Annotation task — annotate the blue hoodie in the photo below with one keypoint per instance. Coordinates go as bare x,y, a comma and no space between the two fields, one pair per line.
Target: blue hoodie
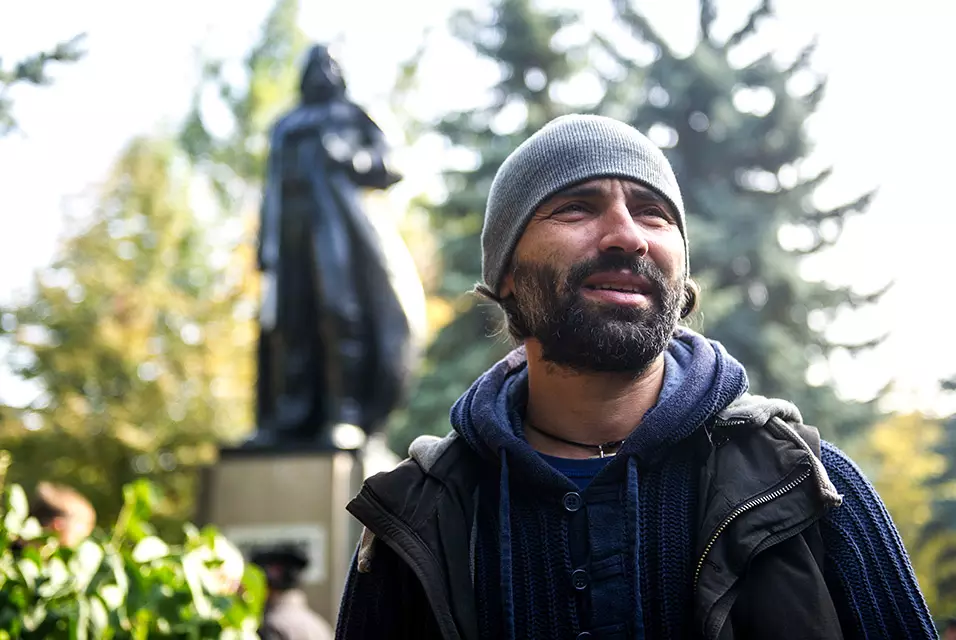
531,495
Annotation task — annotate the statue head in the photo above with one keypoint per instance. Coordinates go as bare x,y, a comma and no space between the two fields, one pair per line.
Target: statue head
322,77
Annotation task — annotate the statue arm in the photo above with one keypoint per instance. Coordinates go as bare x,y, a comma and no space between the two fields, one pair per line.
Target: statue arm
376,145
267,249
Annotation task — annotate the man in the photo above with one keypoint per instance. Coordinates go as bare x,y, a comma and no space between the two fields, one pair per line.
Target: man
287,615
63,512
611,478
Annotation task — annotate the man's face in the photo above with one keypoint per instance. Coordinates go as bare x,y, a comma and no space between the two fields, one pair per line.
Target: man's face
599,276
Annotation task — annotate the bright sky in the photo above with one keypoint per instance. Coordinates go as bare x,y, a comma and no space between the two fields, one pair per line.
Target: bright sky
885,122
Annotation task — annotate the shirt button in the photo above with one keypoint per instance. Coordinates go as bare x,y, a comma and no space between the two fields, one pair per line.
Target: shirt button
584,635
572,501
579,579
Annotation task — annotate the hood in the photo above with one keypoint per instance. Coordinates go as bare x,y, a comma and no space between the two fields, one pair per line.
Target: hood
783,420
701,380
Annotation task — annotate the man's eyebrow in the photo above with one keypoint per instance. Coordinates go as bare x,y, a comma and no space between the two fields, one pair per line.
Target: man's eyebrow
581,191
646,195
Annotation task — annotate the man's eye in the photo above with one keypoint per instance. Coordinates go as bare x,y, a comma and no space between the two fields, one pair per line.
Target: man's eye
654,212
570,210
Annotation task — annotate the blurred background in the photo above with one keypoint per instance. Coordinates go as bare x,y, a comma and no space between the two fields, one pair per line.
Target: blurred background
811,140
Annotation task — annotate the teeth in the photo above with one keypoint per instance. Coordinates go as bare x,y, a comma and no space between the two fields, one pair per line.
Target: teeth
609,287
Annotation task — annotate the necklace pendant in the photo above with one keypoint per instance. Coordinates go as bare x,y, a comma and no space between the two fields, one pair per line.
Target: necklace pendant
601,450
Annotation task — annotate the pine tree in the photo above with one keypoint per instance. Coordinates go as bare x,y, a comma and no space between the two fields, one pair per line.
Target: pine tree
132,335
741,177
739,170
517,37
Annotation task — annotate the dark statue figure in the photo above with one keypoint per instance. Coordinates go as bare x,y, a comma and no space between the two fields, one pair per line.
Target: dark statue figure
334,346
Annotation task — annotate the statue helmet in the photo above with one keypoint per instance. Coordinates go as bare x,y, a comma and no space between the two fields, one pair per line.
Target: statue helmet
321,77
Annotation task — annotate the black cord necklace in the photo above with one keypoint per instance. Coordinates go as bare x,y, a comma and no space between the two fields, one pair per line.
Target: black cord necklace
614,444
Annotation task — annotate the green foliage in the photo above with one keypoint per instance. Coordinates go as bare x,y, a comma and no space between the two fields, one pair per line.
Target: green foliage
140,336
138,341
125,584
739,167
32,70
901,456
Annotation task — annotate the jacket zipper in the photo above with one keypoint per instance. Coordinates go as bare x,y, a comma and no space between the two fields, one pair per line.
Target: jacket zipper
731,422
746,506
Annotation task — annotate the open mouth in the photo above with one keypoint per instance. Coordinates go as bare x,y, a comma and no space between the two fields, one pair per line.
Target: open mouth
619,281
620,288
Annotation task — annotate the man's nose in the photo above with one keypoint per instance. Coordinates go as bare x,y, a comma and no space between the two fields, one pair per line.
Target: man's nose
620,231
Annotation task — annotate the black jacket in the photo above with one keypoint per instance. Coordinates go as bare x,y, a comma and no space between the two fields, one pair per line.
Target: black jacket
760,554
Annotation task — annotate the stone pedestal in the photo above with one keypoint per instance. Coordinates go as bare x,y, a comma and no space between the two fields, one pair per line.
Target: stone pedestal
263,498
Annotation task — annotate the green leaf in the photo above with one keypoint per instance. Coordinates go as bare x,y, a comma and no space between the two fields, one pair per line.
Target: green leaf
99,617
35,617
57,578
150,549
17,510
80,627
29,572
85,563
192,570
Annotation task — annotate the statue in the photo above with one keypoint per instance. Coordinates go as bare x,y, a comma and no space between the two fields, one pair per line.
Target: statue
334,346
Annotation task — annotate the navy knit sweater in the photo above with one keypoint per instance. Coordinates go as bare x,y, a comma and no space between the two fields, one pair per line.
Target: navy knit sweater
621,565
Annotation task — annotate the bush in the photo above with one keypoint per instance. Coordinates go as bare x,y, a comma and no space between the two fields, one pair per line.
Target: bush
127,583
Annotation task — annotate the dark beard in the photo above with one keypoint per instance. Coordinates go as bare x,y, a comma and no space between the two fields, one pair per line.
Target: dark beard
590,337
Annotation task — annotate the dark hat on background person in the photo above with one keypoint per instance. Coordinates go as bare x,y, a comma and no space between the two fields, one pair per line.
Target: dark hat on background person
568,150
281,563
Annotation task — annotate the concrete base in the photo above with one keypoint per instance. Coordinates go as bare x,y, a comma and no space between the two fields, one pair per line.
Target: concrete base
261,498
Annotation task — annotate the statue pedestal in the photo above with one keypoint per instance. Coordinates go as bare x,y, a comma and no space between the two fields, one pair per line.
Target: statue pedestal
257,497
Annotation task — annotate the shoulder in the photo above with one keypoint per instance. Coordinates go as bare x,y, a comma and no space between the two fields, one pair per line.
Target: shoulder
433,456
435,467
861,503
868,568
848,478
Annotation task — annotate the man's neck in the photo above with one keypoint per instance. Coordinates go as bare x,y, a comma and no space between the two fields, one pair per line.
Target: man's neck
590,408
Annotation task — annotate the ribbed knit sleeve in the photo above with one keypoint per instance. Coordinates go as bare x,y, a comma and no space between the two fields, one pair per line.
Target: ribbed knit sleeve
386,604
867,570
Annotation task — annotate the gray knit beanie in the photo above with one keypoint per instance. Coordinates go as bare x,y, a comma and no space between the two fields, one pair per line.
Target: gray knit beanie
568,150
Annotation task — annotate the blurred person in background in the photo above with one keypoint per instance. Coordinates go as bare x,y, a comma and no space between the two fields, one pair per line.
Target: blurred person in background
612,477
63,512
287,614
949,629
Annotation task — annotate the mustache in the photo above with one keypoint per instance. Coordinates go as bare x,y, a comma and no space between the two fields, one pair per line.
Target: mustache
638,266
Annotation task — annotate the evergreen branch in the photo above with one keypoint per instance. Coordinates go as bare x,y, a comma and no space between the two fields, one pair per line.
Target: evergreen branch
819,243
809,185
708,13
803,58
757,72
32,70
856,300
640,26
839,213
857,347
762,11
812,99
